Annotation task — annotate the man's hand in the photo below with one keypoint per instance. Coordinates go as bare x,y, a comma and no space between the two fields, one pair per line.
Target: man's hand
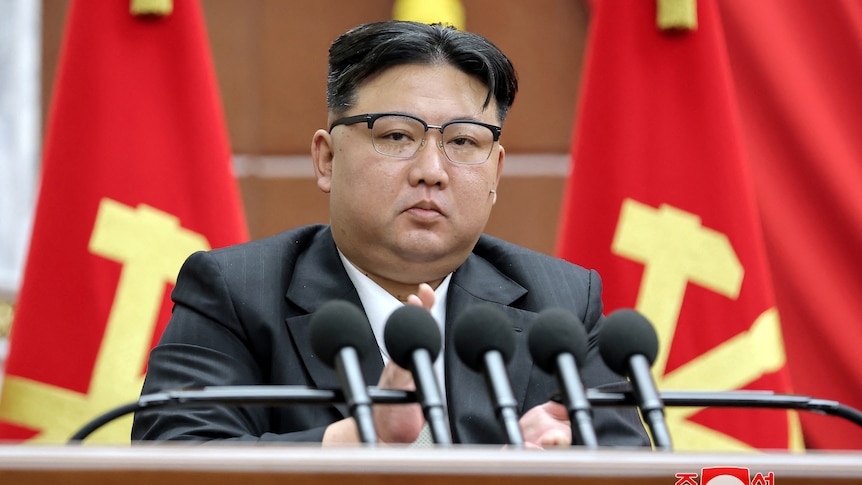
424,297
401,423
546,425
395,423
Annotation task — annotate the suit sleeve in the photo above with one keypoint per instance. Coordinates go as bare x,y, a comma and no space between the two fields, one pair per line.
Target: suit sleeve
614,426
206,344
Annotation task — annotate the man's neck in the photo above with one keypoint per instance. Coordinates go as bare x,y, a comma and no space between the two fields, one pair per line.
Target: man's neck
397,289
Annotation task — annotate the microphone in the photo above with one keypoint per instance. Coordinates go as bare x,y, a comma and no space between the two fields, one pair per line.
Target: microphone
413,340
484,342
628,344
341,336
558,344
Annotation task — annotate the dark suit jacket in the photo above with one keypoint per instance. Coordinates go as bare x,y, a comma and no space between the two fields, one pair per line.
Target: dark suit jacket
241,317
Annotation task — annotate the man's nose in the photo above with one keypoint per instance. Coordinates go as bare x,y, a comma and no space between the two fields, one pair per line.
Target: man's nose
429,166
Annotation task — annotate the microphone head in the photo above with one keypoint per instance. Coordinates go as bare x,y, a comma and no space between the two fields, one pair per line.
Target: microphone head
556,331
626,333
408,329
339,324
480,329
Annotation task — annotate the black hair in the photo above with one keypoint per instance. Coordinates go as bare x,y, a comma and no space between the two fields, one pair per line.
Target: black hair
371,48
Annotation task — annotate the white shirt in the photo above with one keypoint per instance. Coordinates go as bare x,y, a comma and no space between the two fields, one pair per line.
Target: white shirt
379,305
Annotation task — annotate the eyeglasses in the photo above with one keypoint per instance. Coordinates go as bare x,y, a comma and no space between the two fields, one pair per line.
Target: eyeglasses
401,135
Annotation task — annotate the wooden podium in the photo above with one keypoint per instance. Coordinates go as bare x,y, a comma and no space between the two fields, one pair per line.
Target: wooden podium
165,464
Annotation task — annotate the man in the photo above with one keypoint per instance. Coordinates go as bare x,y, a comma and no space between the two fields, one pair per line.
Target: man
411,163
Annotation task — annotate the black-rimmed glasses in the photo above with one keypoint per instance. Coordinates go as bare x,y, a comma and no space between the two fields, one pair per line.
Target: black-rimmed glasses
401,135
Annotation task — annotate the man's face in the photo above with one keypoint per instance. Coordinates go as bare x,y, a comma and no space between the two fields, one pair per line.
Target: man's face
408,220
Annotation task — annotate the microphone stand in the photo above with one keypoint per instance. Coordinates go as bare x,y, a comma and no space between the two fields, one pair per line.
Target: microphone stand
282,395
239,396
733,399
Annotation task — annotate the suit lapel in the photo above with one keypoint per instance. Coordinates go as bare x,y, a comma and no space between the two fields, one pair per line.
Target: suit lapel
319,277
478,282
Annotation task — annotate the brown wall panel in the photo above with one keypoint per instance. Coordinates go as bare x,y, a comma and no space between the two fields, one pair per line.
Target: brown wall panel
53,22
270,58
273,205
527,211
545,41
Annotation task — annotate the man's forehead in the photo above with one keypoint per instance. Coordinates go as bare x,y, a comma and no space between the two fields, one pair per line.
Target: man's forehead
404,86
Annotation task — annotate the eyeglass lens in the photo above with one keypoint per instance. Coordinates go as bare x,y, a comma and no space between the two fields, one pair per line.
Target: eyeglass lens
401,136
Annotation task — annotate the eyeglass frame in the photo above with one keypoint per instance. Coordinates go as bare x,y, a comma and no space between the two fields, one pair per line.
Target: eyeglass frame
370,118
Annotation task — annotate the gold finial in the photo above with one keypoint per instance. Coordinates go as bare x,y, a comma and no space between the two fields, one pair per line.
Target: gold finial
152,7
446,12
676,14
6,315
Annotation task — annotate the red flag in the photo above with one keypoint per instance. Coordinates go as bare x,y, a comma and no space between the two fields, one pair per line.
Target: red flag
136,176
660,201
801,116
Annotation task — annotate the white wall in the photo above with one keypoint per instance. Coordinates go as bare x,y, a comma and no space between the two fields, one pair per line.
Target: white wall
20,26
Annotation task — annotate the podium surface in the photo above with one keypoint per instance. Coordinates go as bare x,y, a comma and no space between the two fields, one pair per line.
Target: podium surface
168,464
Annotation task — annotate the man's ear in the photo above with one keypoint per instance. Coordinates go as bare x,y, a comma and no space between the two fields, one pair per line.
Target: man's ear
321,157
501,156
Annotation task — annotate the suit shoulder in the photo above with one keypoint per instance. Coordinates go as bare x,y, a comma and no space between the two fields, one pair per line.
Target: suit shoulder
267,258
283,244
549,281
508,257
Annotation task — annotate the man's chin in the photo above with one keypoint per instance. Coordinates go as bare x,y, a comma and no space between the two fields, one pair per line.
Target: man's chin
426,246
424,249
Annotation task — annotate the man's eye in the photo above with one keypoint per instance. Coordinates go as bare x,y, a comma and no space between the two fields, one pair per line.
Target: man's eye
462,142
397,136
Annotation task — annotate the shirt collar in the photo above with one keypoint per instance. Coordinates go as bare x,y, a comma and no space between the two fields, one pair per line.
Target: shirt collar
379,304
